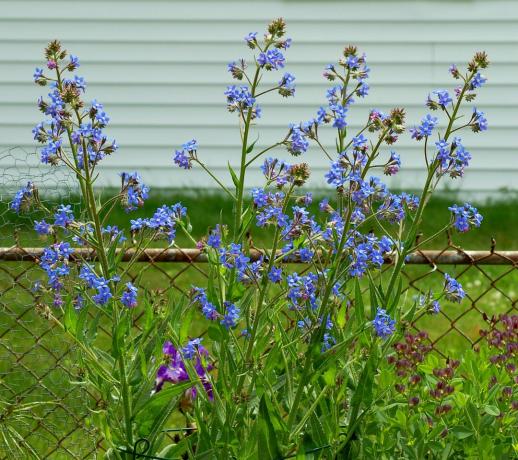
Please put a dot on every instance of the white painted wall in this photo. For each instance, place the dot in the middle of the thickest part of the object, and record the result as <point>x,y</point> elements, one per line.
<point>160,69</point>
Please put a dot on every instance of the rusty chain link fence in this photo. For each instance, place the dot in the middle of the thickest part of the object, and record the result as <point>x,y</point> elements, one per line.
<point>38,367</point>
<point>43,407</point>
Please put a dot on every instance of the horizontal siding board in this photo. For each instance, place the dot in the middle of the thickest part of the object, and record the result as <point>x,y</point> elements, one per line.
<point>160,69</point>
<point>461,11</point>
<point>426,31</point>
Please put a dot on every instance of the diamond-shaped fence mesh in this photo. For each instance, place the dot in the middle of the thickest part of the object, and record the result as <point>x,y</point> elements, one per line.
<point>44,410</point>
<point>37,363</point>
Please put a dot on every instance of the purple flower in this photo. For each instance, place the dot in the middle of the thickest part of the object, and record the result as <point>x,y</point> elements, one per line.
<point>393,164</point>
<point>384,326</point>
<point>297,142</point>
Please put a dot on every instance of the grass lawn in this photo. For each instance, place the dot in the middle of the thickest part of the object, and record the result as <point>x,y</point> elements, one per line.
<point>34,356</point>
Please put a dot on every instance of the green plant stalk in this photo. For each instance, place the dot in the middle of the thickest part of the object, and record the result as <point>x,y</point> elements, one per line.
<point>244,148</point>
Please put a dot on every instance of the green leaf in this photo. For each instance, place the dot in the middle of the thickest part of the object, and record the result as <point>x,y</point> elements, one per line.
<point>233,175</point>
<point>359,307</point>
<point>149,416</point>
<point>251,146</point>
<point>267,447</point>
<point>462,432</point>
<point>492,410</point>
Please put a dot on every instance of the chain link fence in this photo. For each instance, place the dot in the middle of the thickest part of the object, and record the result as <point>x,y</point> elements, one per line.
<point>44,410</point>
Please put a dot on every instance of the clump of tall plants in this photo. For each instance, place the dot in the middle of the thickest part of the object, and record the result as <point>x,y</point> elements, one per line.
<point>281,353</point>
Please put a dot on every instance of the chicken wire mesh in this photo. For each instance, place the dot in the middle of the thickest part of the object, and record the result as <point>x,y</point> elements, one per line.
<point>45,413</point>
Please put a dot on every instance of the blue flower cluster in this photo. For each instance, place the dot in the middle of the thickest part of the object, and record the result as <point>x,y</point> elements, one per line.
<point>163,222</point>
<point>465,217</point>
<point>55,262</point>
<point>270,208</point>
<point>297,142</point>
<point>287,85</point>
<point>129,296</point>
<point>64,216</point>
<point>383,324</point>
<point>453,159</point>
<point>366,251</point>
<point>231,316</point>
<point>453,289</point>
<point>240,99</point>
<point>99,283</point>
<point>134,191</point>
<point>428,124</point>
<point>208,309</point>
<point>42,227</point>
<point>64,100</point>
<point>271,60</point>
<point>23,198</point>
<point>302,291</point>
<point>183,158</point>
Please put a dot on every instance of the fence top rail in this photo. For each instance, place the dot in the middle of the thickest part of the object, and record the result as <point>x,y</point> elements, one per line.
<point>193,255</point>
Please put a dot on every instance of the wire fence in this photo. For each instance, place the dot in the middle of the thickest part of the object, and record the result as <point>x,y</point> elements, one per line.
<point>43,404</point>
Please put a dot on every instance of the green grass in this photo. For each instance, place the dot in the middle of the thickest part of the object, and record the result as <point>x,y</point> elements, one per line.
<point>27,362</point>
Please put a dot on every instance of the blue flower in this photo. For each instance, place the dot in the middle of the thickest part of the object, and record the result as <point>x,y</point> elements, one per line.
<point>23,197</point>
<point>194,347</point>
<point>453,289</point>
<point>135,191</point>
<point>231,316</point>
<point>275,275</point>
<point>42,227</point>
<point>443,97</point>
<point>465,217</point>
<point>251,39</point>
<point>428,123</point>
<point>129,296</point>
<point>271,60</point>
<point>287,85</point>
<point>207,308</point>
<point>38,74</point>
<point>240,99</point>
<point>64,216</point>
<point>384,326</point>
<point>477,81</point>
<point>297,142</point>
<point>339,114</point>
<point>74,62</point>
<point>55,262</point>
<point>478,121</point>
<point>214,239</point>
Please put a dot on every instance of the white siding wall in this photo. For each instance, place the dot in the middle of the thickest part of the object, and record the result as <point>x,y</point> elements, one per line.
<point>160,69</point>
